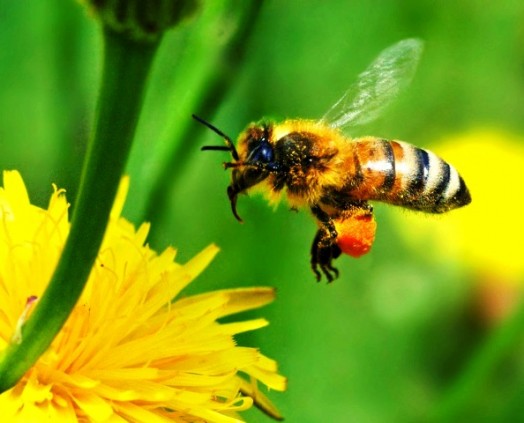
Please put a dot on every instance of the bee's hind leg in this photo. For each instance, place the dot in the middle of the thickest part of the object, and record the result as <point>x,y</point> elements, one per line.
<point>324,248</point>
<point>322,254</point>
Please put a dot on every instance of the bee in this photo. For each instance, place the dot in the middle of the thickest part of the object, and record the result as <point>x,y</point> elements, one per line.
<point>316,166</point>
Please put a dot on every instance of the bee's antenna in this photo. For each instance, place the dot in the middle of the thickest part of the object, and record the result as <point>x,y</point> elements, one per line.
<point>229,144</point>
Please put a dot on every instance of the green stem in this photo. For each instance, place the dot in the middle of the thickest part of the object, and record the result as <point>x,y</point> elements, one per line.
<point>126,66</point>
<point>497,347</point>
<point>211,94</point>
<point>207,72</point>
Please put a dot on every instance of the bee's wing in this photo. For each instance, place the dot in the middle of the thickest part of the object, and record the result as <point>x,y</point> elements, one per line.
<point>377,86</point>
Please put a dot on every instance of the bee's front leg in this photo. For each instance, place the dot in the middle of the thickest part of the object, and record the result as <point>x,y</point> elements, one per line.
<point>324,248</point>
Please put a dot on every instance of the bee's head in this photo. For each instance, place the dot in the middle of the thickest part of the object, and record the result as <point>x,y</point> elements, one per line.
<point>251,164</point>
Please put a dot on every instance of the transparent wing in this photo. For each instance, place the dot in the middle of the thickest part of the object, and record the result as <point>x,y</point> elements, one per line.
<point>377,86</point>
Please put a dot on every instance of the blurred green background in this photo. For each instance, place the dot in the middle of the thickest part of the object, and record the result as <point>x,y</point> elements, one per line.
<point>389,339</point>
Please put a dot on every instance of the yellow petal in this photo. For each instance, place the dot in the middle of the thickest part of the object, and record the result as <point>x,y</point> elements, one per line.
<point>120,198</point>
<point>131,350</point>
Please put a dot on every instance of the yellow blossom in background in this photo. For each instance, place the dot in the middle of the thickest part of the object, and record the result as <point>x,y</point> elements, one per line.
<point>486,235</point>
<point>128,351</point>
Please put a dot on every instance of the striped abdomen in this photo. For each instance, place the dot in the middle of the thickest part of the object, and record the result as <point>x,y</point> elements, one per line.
<point>402,174</point>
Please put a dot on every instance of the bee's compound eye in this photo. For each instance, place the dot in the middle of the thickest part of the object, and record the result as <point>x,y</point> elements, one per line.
<point>266,153</point>
<point>263,153</point>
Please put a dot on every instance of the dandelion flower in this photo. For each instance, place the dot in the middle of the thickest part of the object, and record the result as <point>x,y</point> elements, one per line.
<point>132,349</point>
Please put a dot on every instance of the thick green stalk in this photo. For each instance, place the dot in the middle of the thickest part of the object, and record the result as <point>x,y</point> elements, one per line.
<point>126,66</point>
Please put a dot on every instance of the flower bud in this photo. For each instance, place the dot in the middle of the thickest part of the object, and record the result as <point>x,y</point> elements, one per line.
<point>142,20</point>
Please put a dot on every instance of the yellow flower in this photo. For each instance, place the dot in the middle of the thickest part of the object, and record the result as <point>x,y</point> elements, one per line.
<point>486,235</point>
<point>128,351</point>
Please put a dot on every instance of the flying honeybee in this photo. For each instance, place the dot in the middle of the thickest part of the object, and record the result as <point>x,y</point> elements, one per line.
<point>317,166</point>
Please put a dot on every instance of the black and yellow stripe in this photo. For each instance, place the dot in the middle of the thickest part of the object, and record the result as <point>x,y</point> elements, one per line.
<point>402,174</point>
